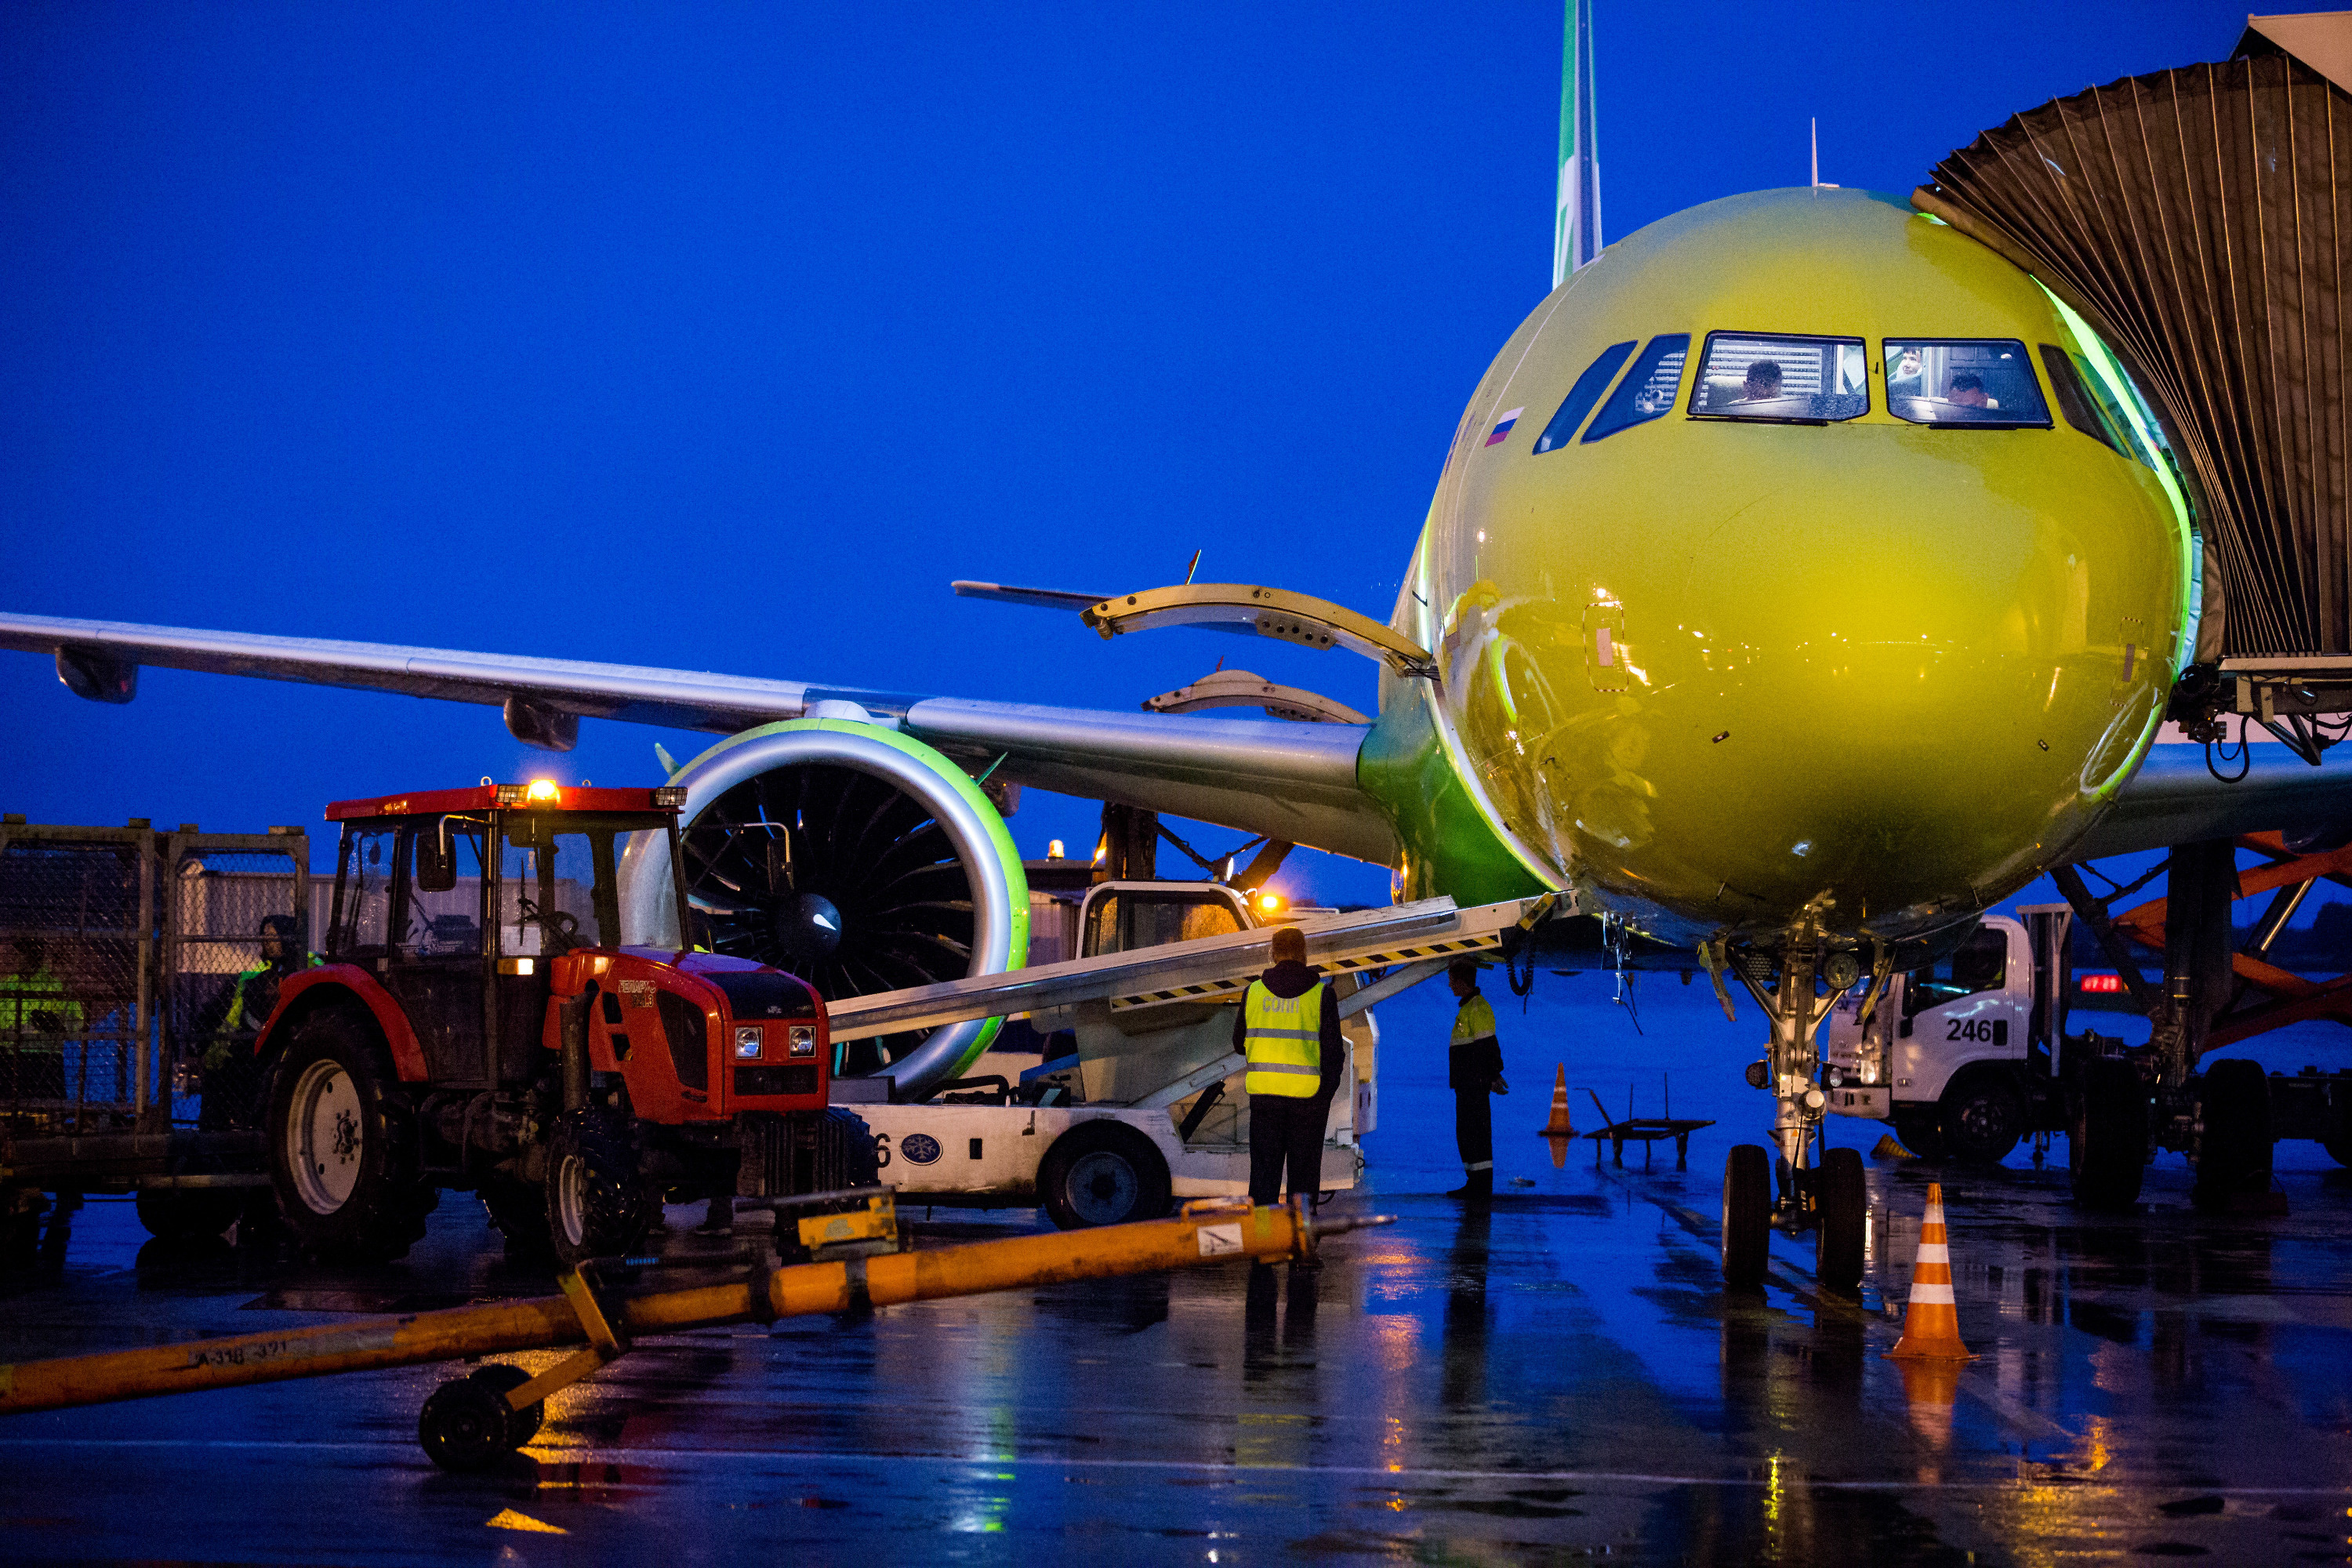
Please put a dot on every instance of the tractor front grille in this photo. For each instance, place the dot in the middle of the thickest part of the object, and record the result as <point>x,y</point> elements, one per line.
<point>800,1079</point>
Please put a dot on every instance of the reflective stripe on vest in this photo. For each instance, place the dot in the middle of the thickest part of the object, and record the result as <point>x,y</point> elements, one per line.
<point>1283,1037</point>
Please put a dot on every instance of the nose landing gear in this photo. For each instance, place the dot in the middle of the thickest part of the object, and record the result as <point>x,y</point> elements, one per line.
<point>1821,1192</point>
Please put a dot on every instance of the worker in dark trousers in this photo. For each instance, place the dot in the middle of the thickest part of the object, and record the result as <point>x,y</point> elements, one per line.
<point>1288,1027</point>
<point>1473,1070</point>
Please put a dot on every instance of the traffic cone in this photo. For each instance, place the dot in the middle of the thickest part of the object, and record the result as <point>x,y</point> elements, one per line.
<point>1931,1321</point>
<point>1560,1130</point>
<point>1559,1126</point>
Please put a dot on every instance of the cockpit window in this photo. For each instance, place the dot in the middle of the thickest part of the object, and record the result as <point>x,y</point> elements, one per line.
<point>1648,389</point>
<point>1583,395</point>
<point>1984,383</point>
<point>2074,398</point>
<point>1810,381</point>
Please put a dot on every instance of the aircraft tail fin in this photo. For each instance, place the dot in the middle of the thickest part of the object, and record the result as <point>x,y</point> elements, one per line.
<point>1576,219</point>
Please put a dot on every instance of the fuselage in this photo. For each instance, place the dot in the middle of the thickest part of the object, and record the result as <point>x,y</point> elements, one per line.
<point>1830,575</point>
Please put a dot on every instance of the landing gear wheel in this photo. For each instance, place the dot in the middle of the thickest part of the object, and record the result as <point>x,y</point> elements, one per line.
<point>1746,1215</point>
<point>464,1425</point>
<point>518,1211</point>
<point>343,1147</point>
<point>2106,1144</point>
<point>1841,1204</point>
<point>1102,1173</point>
<point>1982,1118</point>
<point>597,1205</point>
<point>2233,1152</point>
<point>187,1215</point>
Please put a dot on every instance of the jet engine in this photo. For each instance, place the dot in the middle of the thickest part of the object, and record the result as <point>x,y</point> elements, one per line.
<point>853,857</point>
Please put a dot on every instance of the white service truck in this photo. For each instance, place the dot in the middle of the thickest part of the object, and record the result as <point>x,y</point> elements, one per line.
<point>1143,1108</point>
<point>1970,1054</point>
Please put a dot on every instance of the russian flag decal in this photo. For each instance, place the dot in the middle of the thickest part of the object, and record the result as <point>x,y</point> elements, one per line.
<point>1503,425</point>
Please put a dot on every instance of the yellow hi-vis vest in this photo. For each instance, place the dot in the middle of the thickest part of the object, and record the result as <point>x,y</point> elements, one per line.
<point>1283,1037</point>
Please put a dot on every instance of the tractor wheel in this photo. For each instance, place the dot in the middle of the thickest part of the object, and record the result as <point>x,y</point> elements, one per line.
<point>518,1211</point>
<point>597,1205</point>
<point>184,1215</point>
<point>20,1228</point>
<point>1102,1173</point>
<point>2106,1143</point>
<point>1982,1118</point>
<point>342,1145</point>
<point>2233,1152</point>
<point>1841,1206</point>
<point>844,1151</point>
<point>1746,1215</point>
<point>500,1379</point>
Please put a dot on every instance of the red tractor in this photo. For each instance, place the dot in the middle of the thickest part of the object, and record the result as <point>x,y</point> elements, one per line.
<point>479,1024</point>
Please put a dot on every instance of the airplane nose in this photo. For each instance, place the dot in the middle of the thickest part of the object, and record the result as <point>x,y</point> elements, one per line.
<point>1871,700</point>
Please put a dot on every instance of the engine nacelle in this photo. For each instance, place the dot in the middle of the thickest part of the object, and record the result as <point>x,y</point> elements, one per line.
<point>853,857</point>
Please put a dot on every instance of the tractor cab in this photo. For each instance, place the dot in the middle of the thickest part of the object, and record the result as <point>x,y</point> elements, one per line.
<point>482,1022</point>
<point>459,901</point>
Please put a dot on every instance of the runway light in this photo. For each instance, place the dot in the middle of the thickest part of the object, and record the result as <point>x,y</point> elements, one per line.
<point>2103,984</point>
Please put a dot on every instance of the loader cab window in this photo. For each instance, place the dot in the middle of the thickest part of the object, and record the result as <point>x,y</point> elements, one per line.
<point>445,895</point>
<point>1126,918</point>
<point>1980,963</point>
<point>558,886</point>
<point>1781,380</point>
<point>1986,383</point>
<point>363,880</point>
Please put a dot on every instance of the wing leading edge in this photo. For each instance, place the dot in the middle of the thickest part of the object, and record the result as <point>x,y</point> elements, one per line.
<point>1290,780</point>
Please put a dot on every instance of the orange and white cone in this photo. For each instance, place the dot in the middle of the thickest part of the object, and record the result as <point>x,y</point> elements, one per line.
<point>1931,1318</point>
<point>1560,1130</point>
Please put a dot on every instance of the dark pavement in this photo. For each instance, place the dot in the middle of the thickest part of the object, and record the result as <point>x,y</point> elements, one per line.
<point>1560,1378</point>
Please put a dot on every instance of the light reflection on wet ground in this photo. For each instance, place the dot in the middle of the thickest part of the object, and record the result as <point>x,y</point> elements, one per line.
<point>1562,1377</point>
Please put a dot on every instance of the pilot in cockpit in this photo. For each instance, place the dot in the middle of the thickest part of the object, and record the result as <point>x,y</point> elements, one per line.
<point>1762,384</point>
<point>1969,391</point>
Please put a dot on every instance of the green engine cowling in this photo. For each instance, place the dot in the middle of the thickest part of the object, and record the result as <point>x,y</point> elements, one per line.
<point>856,857</point>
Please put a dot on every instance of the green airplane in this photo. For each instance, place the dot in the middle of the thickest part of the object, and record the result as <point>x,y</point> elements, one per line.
<point>1858,658</point>
<point>1802,579</point>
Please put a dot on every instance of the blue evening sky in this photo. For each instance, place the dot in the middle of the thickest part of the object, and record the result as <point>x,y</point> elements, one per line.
<point>724,336</point>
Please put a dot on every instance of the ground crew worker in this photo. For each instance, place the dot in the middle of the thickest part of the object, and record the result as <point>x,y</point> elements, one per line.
<point>1288,1027</point>
<point>232,1071</point>
<point>1473,1070</point>
<point>35,1014</point>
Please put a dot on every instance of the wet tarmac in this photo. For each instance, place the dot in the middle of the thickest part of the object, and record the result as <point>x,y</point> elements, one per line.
<point>1556,1378</point>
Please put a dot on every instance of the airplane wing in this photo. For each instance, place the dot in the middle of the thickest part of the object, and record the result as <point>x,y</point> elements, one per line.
<point>2175,799</point>
<point>1290,780</point>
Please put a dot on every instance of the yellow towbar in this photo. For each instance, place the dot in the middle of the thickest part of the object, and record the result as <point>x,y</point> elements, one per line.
<point>470,1421</point>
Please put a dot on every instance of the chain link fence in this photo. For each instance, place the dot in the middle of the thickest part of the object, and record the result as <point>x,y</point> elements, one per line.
<point>76,964</point>
<point>239,923</point>
<point>129,959</point>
